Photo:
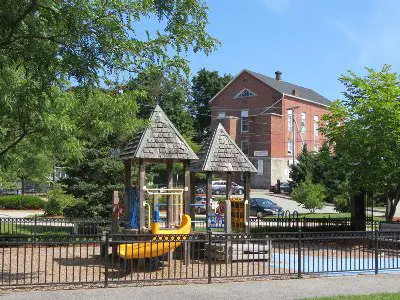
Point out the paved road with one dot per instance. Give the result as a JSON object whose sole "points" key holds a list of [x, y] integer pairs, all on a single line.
{"points": [[272, 289], [287, 203], [10, 213]]}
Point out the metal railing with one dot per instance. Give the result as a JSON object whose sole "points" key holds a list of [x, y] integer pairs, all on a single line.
{"points": [[204, 257]]}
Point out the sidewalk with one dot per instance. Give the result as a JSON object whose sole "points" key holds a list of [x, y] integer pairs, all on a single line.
{"points": [[271, 289]]}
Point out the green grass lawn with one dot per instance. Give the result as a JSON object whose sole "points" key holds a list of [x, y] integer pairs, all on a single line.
{"points": [[383, 296]]}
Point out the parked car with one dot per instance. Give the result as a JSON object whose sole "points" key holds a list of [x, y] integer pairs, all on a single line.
{"points": [[286, 187], [219, 187], [200, 204], [261, 207]]}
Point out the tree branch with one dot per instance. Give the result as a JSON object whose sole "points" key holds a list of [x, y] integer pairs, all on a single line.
{"points": [[13, 144], [18, 21]]}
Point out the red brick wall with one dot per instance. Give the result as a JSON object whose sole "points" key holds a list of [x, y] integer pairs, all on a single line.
{"points": [[266, 132], [311, 110], [259, 126]]}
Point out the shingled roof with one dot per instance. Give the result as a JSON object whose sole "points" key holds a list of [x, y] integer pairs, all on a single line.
{"points": [[160, 140], [287, 88], [221, 154]]}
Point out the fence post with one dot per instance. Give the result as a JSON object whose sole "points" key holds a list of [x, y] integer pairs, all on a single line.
{"points": [[106, 258], [209, 255], [35, 226], [376, 252], [299, 254]]}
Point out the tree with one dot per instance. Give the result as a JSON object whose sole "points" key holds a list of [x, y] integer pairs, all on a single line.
{"points": [[310, 195], [205, 85], [364, 130], [29, 164], [47, 45], [323, 167]]}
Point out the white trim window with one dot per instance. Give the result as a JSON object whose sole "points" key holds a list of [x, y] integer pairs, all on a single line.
{"points": [[316, 125], [290, 147], [303, 122], [290, 120], [221, 115], [244, 145], [244, 121], [245, 93]]}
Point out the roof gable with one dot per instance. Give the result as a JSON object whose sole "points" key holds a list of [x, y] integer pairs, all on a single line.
{"points": [[221, 154], [160, 140], [283, 88]]}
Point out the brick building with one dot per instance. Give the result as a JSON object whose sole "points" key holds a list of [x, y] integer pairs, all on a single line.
{"points": [[270, 120]]}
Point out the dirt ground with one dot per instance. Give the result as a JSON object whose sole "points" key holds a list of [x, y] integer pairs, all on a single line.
{"points": [[82, 263]]}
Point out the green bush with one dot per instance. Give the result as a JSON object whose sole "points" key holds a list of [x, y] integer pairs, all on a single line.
{"points": [[342, 203], [310, 195], [58, 201], [80, 209], [21, 202]]}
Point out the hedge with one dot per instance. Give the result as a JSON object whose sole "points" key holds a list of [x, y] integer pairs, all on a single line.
{"points": [[21, 202]]}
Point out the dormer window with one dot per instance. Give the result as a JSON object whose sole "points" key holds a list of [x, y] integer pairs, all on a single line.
{"points": [[245, 93]]}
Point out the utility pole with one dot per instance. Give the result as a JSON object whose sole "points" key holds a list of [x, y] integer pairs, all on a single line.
{"points": [[293, 109]]}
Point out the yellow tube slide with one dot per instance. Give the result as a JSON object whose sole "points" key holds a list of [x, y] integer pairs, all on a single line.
{"points": [[167, 240]]}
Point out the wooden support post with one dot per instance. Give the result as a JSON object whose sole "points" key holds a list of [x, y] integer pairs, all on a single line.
{"points": [[142, 186], [186, 208], [114, 221], [247, 200], [170, 185], [187, 187], [127, 184], [192, 197], [227, 213], [208, 198]]}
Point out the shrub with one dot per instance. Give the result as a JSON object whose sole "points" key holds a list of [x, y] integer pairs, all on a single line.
{"points": [[80, 209], [58, 201], [310, 195], [21, 202], [342, 200]]}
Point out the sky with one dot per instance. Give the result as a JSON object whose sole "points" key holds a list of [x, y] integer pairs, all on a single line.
{"points": [[312, 42]]}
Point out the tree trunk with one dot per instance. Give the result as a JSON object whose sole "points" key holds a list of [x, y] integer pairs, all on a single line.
{"points": [[23, 186], [391, 207]]}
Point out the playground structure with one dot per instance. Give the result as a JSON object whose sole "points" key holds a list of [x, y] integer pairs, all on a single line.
{"points": [[160, 142], [157, 246]]}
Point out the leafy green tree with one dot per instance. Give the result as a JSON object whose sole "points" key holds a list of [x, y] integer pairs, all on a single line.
{"points": [[364, 130], [309, 194], [205, 85], [323, 167], [342, 199], [47, 45]]}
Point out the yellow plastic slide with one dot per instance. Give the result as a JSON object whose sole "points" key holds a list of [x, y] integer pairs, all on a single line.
{"points": [[167, 240]]}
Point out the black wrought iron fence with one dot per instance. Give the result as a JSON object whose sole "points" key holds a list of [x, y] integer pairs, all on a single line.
{"points": [[114, 258]]}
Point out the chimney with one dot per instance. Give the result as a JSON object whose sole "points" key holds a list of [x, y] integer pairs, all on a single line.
{"points": [[278, 75], [295, 92]]}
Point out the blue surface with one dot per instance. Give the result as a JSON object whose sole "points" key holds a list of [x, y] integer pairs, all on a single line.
{"points": [[132, 199], [336, 266]]}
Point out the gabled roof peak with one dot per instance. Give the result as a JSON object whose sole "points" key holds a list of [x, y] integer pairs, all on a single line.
{"points": [[159, 141], [221, 154]]}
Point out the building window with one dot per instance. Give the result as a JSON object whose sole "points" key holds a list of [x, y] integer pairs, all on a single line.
{"points": [[316, 125], [221, 115], [244, 145], [315, 147], [245, 93], [303, 122], [290, 147], [290, 120], [244, 120]]}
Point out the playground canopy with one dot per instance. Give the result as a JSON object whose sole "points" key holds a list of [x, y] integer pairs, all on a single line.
{"points": [[160, 142], [220, 154]]}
